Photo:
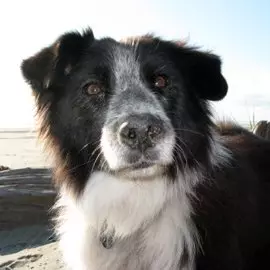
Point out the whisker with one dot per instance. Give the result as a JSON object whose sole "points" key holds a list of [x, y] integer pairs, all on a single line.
{"points": [[184, 162], [186, 147], [88, 161], [96, 149], [87, 144], [95, 162], [102, 165]]}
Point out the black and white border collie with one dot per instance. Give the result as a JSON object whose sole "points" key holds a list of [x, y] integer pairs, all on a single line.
{"points": [[146, 180]]}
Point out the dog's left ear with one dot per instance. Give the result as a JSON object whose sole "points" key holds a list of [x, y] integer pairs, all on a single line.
{"points": [[204, 75], [51, 64]]}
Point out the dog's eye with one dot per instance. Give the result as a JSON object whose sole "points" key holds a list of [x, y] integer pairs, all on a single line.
{"points": [[160, 81], [93, 88]]}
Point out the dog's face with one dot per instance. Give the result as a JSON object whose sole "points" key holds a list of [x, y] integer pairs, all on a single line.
{"points": [[136, 108]]}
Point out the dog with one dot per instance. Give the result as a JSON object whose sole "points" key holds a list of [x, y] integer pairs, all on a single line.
{"points": [[145, 178]]}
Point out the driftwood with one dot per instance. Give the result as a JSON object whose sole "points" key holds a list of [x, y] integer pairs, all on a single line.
{"points": [[4, 168], [262, 129], [26, 195]]}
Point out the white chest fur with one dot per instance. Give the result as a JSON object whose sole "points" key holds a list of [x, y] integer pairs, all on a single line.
{"points": [[149, 221]]}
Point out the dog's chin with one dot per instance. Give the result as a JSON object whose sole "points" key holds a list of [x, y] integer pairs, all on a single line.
{"points": [[141, 171]]}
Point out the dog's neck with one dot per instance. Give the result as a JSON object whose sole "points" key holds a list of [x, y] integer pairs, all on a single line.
{"points": [[119, 215]]}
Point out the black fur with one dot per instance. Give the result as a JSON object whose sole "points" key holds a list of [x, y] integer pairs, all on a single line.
{"points": [[232, 209]]}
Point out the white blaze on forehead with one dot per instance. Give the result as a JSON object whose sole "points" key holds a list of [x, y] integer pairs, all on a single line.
{"points": [[126, 70], [126, 66]]}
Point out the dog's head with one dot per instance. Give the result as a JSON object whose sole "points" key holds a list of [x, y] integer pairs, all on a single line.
{"points": [[135, 108]]}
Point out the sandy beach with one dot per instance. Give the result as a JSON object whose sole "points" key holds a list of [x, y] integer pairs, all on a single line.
{"points": [[26, 237]]}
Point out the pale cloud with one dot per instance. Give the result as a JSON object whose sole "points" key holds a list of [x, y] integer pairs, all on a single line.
{"points": [[248, 95]]}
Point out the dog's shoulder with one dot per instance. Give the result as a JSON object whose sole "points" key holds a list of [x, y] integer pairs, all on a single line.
{"points": [[250, 152]]}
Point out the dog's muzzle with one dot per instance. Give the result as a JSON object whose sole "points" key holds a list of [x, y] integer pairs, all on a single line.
{"points": [[137, 141]]}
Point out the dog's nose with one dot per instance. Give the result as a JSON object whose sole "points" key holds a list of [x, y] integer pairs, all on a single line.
{"points": [[141, 131]]}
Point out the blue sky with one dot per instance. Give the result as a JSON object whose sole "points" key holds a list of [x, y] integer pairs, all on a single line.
{"points": [[239, 31]]}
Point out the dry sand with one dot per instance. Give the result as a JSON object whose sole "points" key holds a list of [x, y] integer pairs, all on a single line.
{"points": [[31, 246]]}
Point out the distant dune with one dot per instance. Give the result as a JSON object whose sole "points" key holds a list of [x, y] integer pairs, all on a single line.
{"points": [[19, 148]]}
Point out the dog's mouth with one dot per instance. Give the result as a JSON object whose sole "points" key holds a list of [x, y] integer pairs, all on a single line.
{"points": [[142, 170], [137, 166]]}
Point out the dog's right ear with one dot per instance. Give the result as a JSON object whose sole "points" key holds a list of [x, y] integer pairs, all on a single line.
{"points": [[54, 62]]}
